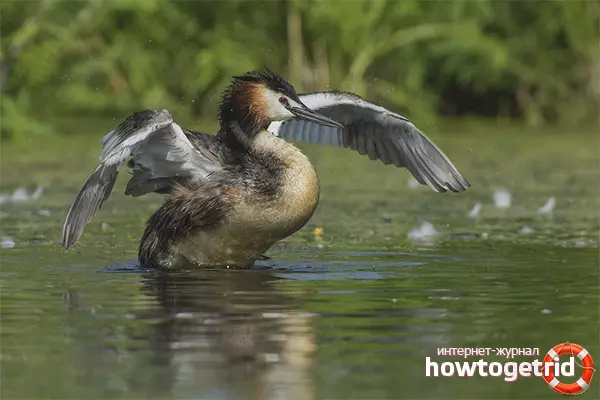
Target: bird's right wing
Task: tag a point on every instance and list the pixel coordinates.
(161, 152)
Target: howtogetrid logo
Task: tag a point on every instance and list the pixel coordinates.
(551, 367)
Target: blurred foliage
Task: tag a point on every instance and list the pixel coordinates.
(539, 61)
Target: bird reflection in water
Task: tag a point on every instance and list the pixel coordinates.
(229, 334)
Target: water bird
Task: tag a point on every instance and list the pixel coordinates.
(232, 195)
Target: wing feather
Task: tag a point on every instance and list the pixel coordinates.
(324, 139)
(314, 135)
(361, 140)
(378, 133)
(371, 149)
(161, 153)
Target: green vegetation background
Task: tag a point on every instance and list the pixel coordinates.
(538, 61)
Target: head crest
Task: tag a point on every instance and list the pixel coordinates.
(270, 79)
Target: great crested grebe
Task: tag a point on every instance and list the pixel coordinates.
(230, 196)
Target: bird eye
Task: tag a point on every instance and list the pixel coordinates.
(283, 101)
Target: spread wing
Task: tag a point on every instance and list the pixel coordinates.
(376, 132)
(161, 154)
(159, 145)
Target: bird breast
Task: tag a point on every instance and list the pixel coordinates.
(256, 220)
(298, 192)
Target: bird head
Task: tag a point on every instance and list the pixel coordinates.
(256, 99)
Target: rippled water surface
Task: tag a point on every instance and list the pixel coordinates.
(349, 312)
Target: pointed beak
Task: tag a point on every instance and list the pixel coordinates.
(313, 116)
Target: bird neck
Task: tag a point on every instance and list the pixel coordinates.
(240, 120)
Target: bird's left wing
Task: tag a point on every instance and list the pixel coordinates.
(376, 132)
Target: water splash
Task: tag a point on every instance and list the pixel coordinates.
(7, 242)
(37, 193)
(20, 195)
(548, 207)
(526, 230)
(502, 198)
(425, 231)
(474, 213)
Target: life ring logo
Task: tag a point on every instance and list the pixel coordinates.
(551, 365)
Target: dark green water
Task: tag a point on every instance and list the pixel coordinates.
(350, 315)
